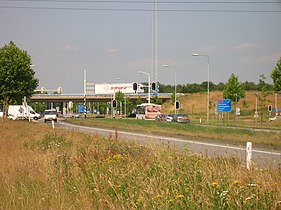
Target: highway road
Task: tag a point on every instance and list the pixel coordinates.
(261, 157)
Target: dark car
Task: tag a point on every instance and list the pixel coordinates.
(160, 117)
(181, 118)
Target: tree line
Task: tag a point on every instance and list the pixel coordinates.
(196, 88)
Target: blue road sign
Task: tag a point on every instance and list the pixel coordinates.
(81, 108)
(223, 105)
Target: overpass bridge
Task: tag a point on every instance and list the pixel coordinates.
(65, 98)
(64, 101)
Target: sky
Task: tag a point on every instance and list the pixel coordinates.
(113, 39)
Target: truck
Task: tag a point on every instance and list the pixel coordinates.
(16, 112)
(114, 88)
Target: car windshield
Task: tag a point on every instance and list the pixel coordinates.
(50, 112)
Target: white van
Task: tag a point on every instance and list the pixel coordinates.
(16, 112)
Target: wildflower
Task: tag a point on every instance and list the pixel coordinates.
(179, 196)
(223, 194)
(118, 156)
(138, 201)
(236, 182)
(252, 185)
(214, 184)
(158, 196)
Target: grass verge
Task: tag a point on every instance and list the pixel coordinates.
(45, 168)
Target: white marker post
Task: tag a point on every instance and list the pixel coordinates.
(28, 111)
(248, 155)
(53, 123)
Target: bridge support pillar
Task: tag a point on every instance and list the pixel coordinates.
(64, 108)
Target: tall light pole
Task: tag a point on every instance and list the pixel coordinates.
(256, 112)
(85, 93)
(142, 72)
(165, 66)
(124, 95)
(31, 66)
(208, 82)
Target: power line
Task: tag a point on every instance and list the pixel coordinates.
(142, 10)
(147, 2)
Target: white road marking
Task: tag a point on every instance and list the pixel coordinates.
(172, 139)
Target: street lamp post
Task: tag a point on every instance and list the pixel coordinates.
(208, 82)
(175, 87)
(31, 66)
(256, 112)
(142, 72)
(125, 109)
(235, 113)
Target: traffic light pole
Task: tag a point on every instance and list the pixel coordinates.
(175, 93)
(142, 72)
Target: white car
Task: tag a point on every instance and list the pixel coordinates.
(50, 115)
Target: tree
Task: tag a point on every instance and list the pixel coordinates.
(276, 76)
(233, 89)
(263, 95)
(16, 75)
(119, 96)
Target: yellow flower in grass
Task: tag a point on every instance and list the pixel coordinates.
(179, 196)
(118, 156)
(236, 182)
(158, 196)
(214, 184)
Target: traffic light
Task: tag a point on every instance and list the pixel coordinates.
(270, 108)
(153, 86)
(177, 105)
(135, 87)
(114, 103)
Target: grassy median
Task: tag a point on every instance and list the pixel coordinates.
(187, 129)
(45, 168)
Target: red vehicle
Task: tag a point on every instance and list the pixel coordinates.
(148, 111)
(181, 118)
(170, 117)
(160, 117)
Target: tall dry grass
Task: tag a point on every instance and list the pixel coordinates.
(45, 168)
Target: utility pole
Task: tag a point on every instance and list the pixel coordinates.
(85, 93)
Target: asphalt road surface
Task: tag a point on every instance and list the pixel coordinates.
(261, 157)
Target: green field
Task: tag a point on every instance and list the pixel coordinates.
(45, 168)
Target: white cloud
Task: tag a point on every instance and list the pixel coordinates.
(245, 46)
(112, 50)
(68, 47)
(273, 58)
